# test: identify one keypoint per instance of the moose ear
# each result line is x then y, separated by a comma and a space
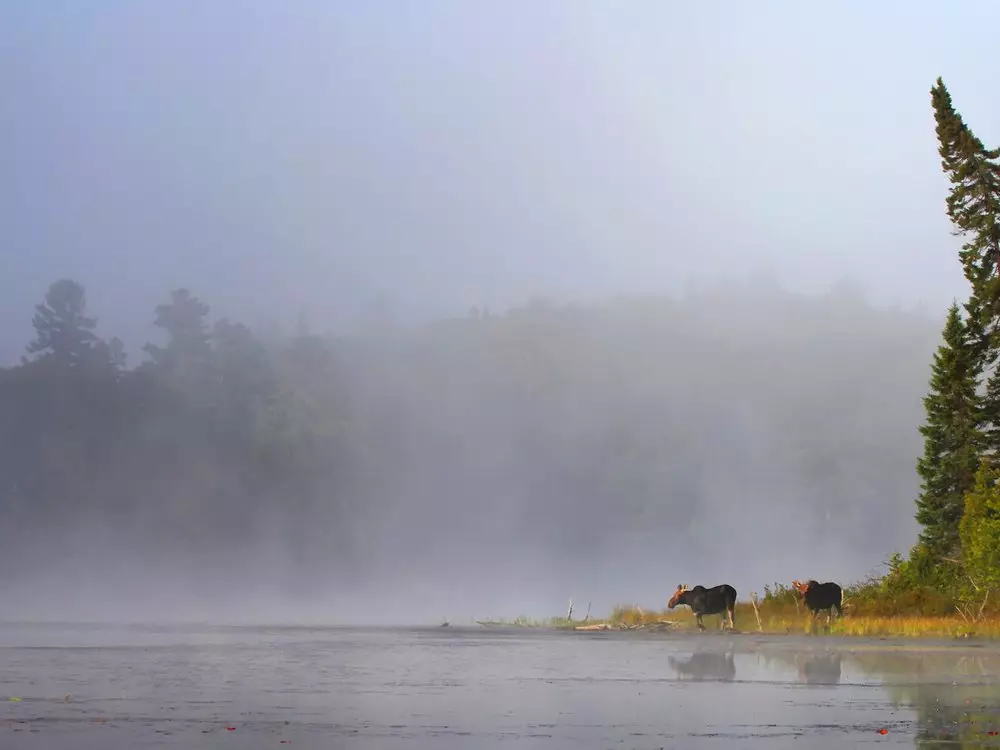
680, 586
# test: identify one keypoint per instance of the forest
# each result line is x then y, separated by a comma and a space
741, 432
575, 438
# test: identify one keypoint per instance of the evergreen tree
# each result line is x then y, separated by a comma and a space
973, 205
187, 361
63, 330
952, 439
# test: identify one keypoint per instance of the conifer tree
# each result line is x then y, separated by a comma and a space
973, 205
64, 331
952, 439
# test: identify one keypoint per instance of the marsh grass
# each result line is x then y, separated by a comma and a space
868, 611
784, 623
778, 619
871, 609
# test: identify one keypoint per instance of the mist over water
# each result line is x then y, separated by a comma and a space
502, 306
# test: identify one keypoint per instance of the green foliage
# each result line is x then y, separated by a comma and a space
958, 503
980, 529
973, 205
952, 440
780, 594
922, 584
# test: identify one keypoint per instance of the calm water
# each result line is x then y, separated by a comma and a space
128, 686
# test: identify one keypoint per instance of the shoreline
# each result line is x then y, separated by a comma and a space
915, 627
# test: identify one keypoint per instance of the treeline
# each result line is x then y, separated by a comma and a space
957, 559
552, 437
179, 457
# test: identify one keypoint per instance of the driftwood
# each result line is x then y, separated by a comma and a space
658, 625
756, 611
663, 625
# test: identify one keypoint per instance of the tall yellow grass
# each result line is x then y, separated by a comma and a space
784, 618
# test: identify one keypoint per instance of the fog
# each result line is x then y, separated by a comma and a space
547, 300
479, 466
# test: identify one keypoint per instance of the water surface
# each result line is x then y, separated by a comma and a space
90, 686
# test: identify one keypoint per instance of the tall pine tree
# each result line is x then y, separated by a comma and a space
973, 205
63, 330
952, 440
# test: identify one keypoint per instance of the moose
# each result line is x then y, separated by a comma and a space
821, 596
718, 600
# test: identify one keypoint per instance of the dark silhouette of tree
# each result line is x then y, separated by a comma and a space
188, 348
186, 364
63, 330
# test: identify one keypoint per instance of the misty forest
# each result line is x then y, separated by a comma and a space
551, 437
740, 432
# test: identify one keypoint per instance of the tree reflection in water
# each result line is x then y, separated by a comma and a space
956, 694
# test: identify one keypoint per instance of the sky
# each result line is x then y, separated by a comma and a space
328, 159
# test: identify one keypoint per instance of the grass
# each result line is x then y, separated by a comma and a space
868, 613
778, 619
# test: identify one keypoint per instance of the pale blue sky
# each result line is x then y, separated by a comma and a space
290, 156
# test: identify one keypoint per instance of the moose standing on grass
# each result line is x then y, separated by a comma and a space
718, 600
821, 596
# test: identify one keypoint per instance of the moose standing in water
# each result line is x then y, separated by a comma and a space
820, 596
718, 600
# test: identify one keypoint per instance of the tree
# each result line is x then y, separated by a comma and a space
980, 529
246, 377
952, 438
187, 361
973, 205
63, 330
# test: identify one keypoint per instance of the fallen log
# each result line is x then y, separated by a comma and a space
658, 625
664, 624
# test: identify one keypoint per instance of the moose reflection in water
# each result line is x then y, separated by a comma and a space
811, 667
705, 665
819, 669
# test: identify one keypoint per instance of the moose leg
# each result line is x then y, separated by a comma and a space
731, 614
701, 625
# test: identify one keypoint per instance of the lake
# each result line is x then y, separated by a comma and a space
118, 686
